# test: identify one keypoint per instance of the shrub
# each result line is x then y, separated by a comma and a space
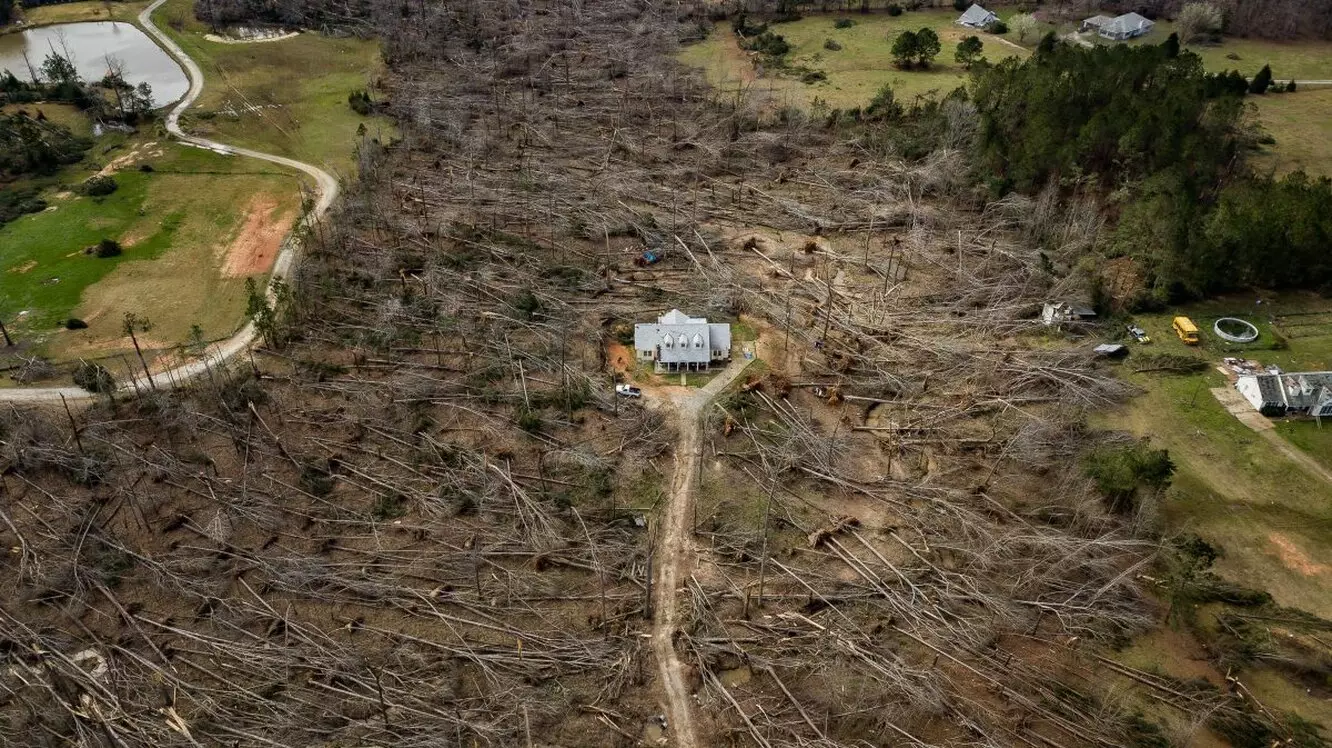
316, 478
74, 323
998, 27
390, 507
146, 168
360, 102
894, 10
1119, 472
831, 45
529, 420
1290, 86
961, 5
1262, 81
813, 76
527, 305
108, 248
740, 25
768, 43
94, 378
843, 23
99, 186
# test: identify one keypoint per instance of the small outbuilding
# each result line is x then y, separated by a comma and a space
677, 342
1111, 350
977, 17
1127, 26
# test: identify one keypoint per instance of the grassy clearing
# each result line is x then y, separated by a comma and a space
175, 224
1302, 126
67, 115
1235, 490
855, 72
1272, 519
252, 98
86, 11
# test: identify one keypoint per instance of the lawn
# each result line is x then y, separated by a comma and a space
856, 71
1301, 123
176, 224
1272, 520
85, 11
67, 115
253, 97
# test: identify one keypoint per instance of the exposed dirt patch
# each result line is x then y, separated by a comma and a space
256, 246
95, 346
133, 238
621, 358
63, 195
25, 267
120, 162
1294, 558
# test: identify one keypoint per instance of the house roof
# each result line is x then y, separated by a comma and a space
1126, 23
1097, 21
690, 338
976, 16
1299, 391
1307, 389
677, 317
1269, 389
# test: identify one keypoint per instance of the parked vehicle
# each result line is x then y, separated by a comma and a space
1139, 334
628, 390
1186, 330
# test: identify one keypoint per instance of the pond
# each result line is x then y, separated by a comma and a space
89, 44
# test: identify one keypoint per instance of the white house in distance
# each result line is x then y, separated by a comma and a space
677, 342
1119, 28
977, 17
1279, 394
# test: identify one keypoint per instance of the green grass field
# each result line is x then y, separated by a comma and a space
177, 225
287, 97
1272, 518
83, 11
855, 72
1301, 124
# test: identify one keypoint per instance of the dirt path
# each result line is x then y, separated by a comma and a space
248, 335
1235, 403
674, 550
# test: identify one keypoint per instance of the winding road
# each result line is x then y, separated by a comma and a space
218, 353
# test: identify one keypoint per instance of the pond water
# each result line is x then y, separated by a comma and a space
90, 44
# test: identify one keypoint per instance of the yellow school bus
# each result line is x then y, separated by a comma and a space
1186, 330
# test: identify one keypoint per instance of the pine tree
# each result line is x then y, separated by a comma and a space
1262, 81
1171, 46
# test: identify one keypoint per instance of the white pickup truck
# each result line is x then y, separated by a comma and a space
628, 390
